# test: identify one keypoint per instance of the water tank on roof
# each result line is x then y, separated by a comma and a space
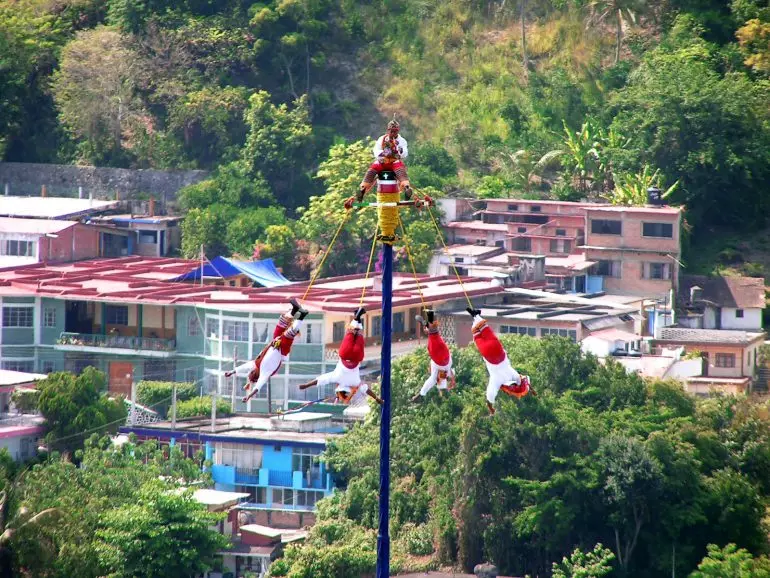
655, 196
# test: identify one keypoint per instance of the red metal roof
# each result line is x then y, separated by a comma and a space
148, 280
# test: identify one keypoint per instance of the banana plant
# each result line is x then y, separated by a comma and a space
631, 188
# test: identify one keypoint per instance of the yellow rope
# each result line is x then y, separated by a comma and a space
446, 250
411, 262
326, 254
388, 216
368, 267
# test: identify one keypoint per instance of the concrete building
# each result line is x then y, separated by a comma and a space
730, 357
152, 235
59, 208
721, 302
593, 247
125, 317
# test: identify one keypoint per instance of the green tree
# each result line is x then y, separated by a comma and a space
733, 562
207, 229
74, 407
279, 145
593, 564
181, 542
250, 225
95, 89
620, 11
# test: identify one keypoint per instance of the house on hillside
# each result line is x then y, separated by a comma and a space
721, 302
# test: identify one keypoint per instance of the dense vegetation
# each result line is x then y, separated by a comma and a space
560, 98
599, 457
123, 512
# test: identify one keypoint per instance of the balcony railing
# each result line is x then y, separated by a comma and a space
246, 476
116, 341
279, 478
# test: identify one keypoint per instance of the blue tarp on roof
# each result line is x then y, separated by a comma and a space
263, 272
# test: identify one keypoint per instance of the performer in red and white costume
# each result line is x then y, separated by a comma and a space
501, 374
440, 359
269, 361
389, 152
347, 374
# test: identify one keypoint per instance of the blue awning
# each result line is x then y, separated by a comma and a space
263, 272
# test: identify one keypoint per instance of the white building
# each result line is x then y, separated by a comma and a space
721, 302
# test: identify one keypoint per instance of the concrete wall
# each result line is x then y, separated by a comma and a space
752, 319
102, 182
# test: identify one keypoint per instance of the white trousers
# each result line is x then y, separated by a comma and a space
344, 378
433, 380
499, 375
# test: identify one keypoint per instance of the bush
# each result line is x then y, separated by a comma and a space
417, 539
157, 394
201, 406
25, 400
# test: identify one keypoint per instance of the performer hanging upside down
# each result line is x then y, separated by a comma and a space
501, 374
269, 361
389, 152
346, 374
440, 359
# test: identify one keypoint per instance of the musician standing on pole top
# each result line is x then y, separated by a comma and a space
389, 152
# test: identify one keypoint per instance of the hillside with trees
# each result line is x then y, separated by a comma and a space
548, 98
638, 477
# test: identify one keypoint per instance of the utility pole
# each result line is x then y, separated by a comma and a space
235, 378
214, 406
173, 408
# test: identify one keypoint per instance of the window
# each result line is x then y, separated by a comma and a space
739, 313
658, 230
569, 333
523, 244
193, 326
283, 497
554, 246
398, 322
724, 360
604, 227
308, 498
513, 207
212, 328
48, 366
534, 209
500, 243
607, 269
312, 333
522, 229
660, 271
116, 315
17, 316
26, 365
304, 459
376, 326
338, 331
561, 232
236, 330
150, 237
49, 317
514, 330
567, 246
20, 248
261, 331
191, 375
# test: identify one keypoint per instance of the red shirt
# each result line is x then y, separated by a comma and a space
489, 346
352, 350
437, 349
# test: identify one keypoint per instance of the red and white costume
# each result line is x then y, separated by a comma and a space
388, 154
440, 361
270, 361
346, 374
501, 373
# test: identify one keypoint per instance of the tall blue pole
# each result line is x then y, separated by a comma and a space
383, 536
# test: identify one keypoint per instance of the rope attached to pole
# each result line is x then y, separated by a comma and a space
411, 262
326, 254
451, 261
368, 267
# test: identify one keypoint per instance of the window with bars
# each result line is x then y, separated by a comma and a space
522, 244
724, 360
377, 324
25, 365
17, 316
283, 497
212, 327
308, 498
116, 314
570, 333
607, 269
191, 375
664, 230
398, 322
338, 331
606, 227
236, 330
49, 317
48, 366
193, 327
